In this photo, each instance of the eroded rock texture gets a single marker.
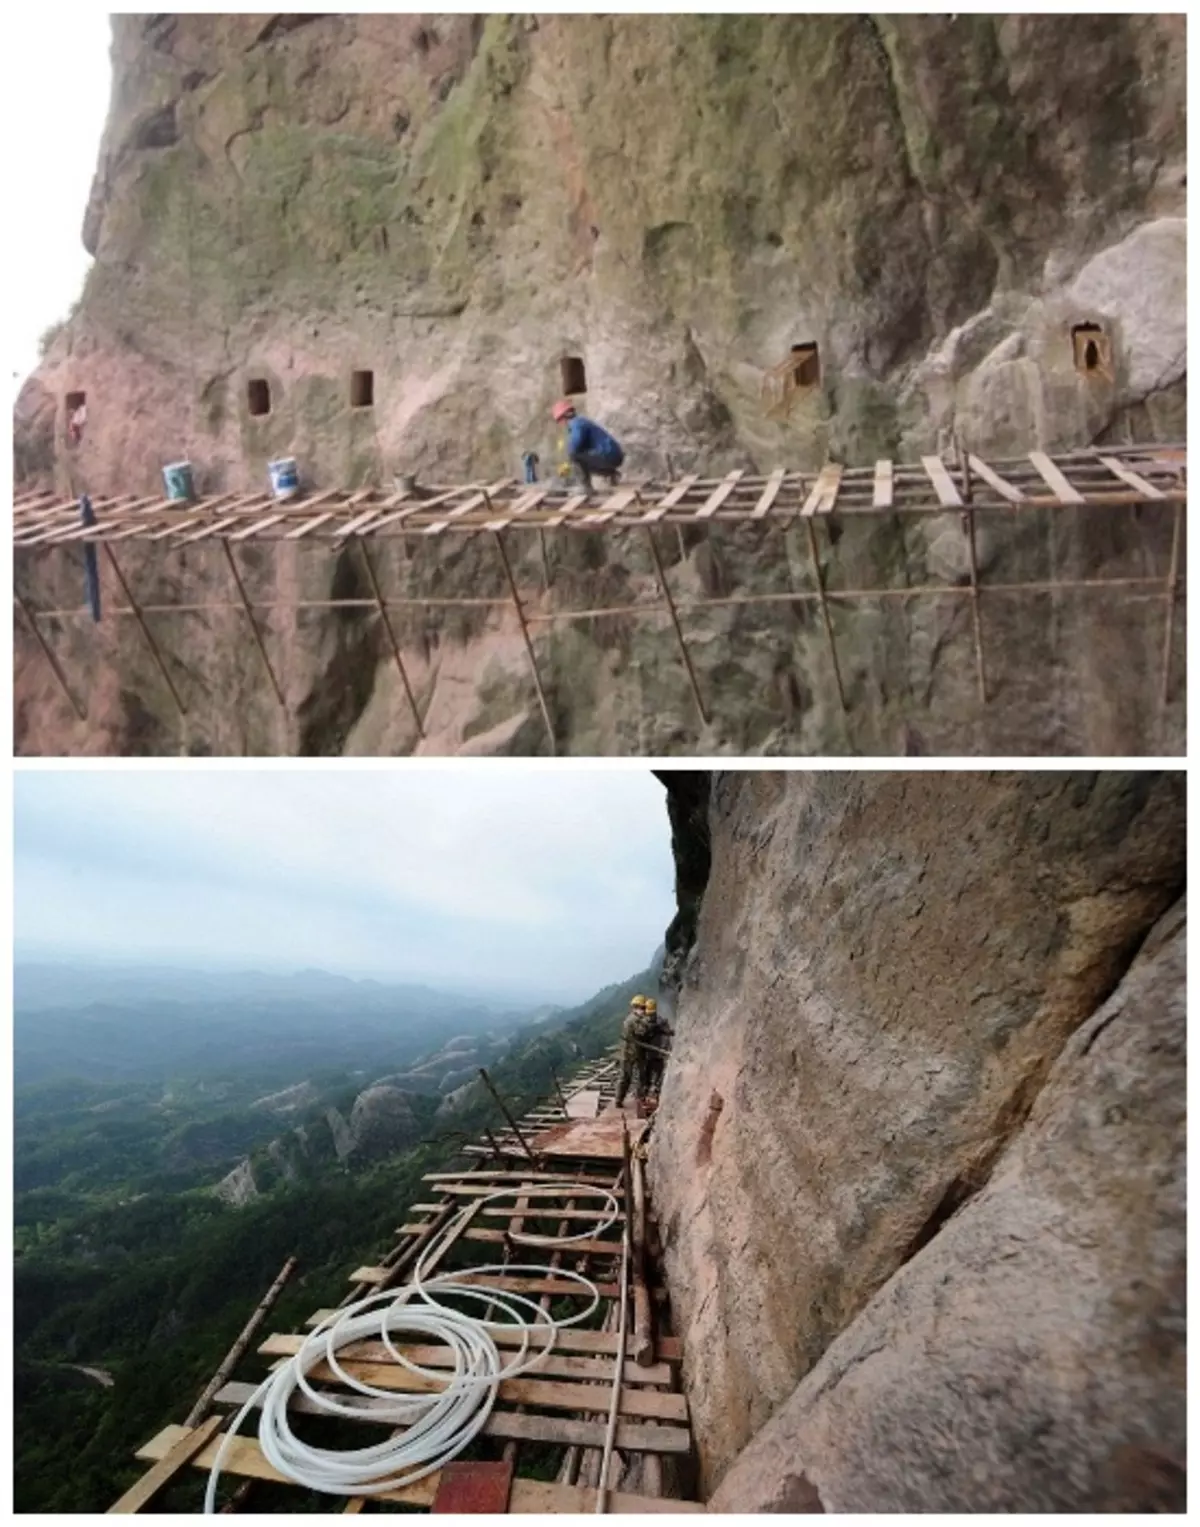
(919, 1161)
(457, 203)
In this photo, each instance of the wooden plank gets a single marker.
(612, 507)
(714, 501)
(584, 1104)
(594, 1248)
(884, 487)
(1054, 479)
(645, 1437)
(310, 525)
(669, 1348)
(555, 1365)
(461, 1182)
(245, 1459)
(679, 492)
(551, 1394)
(181, 1451)
(374, 1275)
(479, 500)
(576, 501)
(522, 506)
(769, 494)
(1119, 469)
(993, 479)
(943, 483)
(824, 490)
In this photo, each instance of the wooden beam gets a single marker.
(943, 484)
(884, 487)
(391, 636)
(537, 678)
(671, 610)
(676, 495)
(231, 1359)
(769, 494)
(1127, 475)
(714, 501)
(993, 479)
(183, 1448)
(824, 491)
(257, 634)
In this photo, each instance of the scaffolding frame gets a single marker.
(600, 1388)
(1137, 476)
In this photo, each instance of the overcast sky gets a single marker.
(524, 882)
(56, 80)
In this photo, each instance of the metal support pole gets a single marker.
(558, 1088)
(516, 599)
(141, 620)
(49, 655)
(674, 614)
(968, 525)
(237, 578)
(816, 562)
(487, 1082)
(545, 558)
(391, 636)
(1171, 595)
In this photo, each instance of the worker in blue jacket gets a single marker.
(590, 449)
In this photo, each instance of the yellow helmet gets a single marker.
(638, 1001)
(649, 1005)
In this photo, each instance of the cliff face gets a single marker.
(457, 203)
(919, 1160)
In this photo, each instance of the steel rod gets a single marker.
(516, 599)
(487, 1082)
(55, 666)
(391, 636)
(1171, 592)
(968, 527)
(670, 604)
(262, 649)
(817, 574)
(150, 642)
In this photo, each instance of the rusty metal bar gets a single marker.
(141, 620)
(231, 1359)
(49, 655)
(391, 636)
(487, 1082)
(670, 603)
(262, 649)
(816, 562)
(537, 678)
(968, 526)
(1171, 595)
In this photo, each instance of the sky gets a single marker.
(55, 88)
(522, 882)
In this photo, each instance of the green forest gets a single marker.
(126, 1261)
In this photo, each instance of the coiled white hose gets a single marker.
(441, 1424)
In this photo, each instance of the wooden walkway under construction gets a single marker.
(564, 1405)
(1138, 477)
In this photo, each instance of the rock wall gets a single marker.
(919, 1160)
(458, 203)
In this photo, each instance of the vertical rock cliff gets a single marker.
(461, 206)
(919, 1159)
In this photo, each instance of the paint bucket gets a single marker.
(285, 480)
(177, 480)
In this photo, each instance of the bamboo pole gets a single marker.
(391, 636)
(670, 603)
(140, 618)
(202, 1406)
(817, 574)
(487, 1082)
(968, 526)
(56, 667)
(262, 649)
(516, 599)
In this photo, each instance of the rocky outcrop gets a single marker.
(918, 1161)
(458, 204)
(381, 1121)
(343, 1137)
(238, 1187)
(302, 1095)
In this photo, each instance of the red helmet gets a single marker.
(563, 410)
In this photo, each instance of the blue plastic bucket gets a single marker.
(177, 479)
(285, 480)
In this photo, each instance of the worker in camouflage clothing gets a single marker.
(642, 1029)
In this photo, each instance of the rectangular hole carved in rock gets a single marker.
(1092, 348)
(76, 409)
(258, 396)
(362, 389)
(574, 376)
(806, 365)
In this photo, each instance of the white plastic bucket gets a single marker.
(285, 479)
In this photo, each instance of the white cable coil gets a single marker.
(439, 1425)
